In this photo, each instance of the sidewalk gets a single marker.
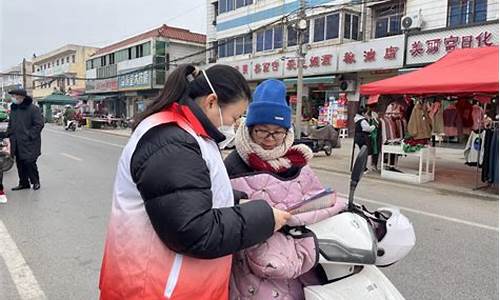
(452, 176)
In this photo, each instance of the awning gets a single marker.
(58, 98)
(463, 71)
(312, 80)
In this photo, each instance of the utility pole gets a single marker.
(24, 73)
(301, 26)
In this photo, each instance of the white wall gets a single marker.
(179, 50)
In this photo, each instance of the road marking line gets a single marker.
(71, 156)
(21, 274)
(88, 139)
(428, 214)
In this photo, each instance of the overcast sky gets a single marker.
(39, 26)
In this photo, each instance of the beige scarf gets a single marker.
(280, 159)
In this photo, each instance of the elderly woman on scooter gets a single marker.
(266, 165)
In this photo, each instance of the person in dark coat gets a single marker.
(24, 132)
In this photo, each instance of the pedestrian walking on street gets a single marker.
(363, 129)
(24, 132)
(174, 224)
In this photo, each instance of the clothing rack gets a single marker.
(488, 185)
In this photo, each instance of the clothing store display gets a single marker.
(452, 121)
(436, 114)
(419, 126)
(477, 117)
(474, 148)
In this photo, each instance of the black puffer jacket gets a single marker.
(24, 131)
(174, 181)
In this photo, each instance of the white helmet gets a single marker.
(395, 236)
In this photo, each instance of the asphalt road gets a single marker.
(51, 240)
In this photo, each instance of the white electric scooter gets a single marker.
(354, 243)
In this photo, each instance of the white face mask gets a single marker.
(226, 130)
(16, 101)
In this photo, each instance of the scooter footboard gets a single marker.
(369, 283)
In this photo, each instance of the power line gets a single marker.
(282, 19)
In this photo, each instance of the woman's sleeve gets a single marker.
(174, 182)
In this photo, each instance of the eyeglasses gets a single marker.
(264, 134)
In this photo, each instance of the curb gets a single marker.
(471, 194)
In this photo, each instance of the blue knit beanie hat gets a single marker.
(269, 105)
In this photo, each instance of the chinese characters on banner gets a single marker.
(137, 79)
(450, 43)
(370, 55)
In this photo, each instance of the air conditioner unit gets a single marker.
(347, 86)
(410, 22)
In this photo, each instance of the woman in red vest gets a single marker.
(174, 224)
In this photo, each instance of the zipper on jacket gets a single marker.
(173, 276)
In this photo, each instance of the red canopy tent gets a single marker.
(463, 71)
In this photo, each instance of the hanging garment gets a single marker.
(477, 117)
(452, 121)
(472, 151)
(390, 127)
(436, 115)
(464, 108)
(493, 161)
(487, 155)
(419, 126)
(374, 147)
(400, 128)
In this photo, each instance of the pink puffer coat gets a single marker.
(272, 269)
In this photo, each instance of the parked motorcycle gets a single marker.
(355, 243)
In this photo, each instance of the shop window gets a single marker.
(326, 27)
(139, 51)
(230, 47)
(270, 39)
(239, 45)
(161, 48)
(248, 43)
(222, 48)
(463, 12)
(121, 55)
(278, 37)
(240, 3)
(293, 35)
(351, 26)
(387, 20)
(229, 5)
(332, 26)
(260, 41)
(146, 47)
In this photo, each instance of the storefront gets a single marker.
(426, 47)
(441, 100)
